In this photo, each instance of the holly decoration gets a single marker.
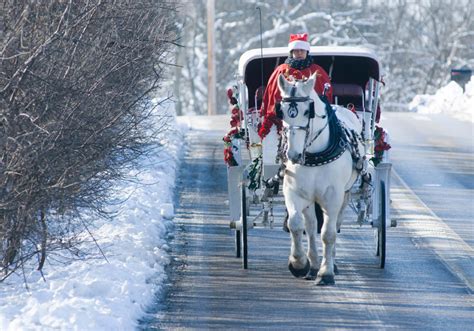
(229, 157)
(269, 120)
(235, 132)
(254, 169)
(380, 145)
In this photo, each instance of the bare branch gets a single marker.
(75, 116)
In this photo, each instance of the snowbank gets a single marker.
(96, 294)
(449, 100)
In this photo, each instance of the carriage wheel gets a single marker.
(381, 229)
(243, 214)
(238, 246)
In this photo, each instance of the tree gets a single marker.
(417, 42)
(423, 41)
(74, 113)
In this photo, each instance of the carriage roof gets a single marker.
(353, 65)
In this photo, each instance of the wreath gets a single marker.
(380, 145)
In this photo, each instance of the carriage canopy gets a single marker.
(347, 66)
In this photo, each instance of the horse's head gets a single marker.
(299, 105)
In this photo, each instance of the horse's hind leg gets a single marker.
(298, 263)
(311, 233)
(340, 218)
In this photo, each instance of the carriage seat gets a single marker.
(345, 94)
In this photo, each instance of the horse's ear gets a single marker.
(282, 82)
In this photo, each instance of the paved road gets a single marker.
(435, 156)
(417, 290)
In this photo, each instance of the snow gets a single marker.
(114, 294)
(449, 100)
(167, 211)
(111, 294)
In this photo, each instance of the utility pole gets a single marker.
(211, 63)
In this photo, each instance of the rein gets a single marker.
(315, 136)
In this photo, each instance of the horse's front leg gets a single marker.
(298, 264)
(311, 226)
(328, 238)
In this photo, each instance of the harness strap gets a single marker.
(337, 140)
(317, 134)
(337, 145)
(353, 139)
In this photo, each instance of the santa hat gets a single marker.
(298, 41)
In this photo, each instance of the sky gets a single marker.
(114, 294)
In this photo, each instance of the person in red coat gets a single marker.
(299, 65)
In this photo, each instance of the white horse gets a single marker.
(306, 122)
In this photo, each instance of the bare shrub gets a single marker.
(74, 113)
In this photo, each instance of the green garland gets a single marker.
(255, 173)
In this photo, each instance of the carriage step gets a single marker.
(275, 199)
(393, 223)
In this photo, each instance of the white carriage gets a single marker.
(355, 78)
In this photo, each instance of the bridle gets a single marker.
(293, 112)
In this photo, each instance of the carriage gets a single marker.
(255, 165)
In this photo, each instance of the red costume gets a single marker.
(272, 92)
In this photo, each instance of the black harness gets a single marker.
(337, 141)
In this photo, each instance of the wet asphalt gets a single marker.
(208, 289)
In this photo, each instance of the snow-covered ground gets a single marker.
(113, 295)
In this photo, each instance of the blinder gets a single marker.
(278, 111)
(310, 110)
(293, 100)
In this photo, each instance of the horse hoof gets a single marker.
(336, 270)
(299, 273)
(325, 280)
(312, 274)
